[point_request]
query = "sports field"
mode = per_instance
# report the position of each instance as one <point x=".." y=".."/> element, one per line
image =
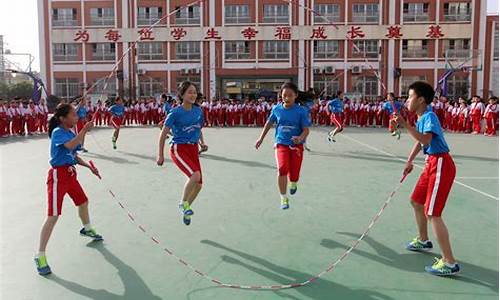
<point x="238" y="233"/>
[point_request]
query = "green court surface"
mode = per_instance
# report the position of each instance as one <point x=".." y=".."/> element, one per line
<point x="238" y="234"/>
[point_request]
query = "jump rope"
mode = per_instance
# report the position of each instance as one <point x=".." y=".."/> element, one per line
<point x="131" y="216"/>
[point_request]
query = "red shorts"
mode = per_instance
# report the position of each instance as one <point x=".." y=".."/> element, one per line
<point x="186" y="158"/>
<point x="434" y="185"/>
<point x="116" y="122"/>
<point x="289" y="160"/>
<point x="61" y="181"/>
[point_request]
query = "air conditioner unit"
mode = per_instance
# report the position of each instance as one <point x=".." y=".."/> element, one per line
<point x="141" y="71"/>
<point x="185" y="71"/>
<point x="356" y="69"/>
<point x="329" y="70"/>
<point x="317" y="70"/>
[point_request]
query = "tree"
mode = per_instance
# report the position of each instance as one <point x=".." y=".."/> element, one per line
<point x="21" y="89"/>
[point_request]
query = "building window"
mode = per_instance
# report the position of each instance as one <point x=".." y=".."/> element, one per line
<point x="276" y="13"/>
<point x="366" y="85"/>
<point x="187" y="50"/>
<point x="457" y="48"/>
<point x="326" y="84"/>
<point x="99" y="86"/>
<point x="67" y="87"/>
<point x="326" y="13"/>
<point x="103" y="51"/>
<point x="188" y="15"/>
<point x="236" y="14"/>
<point x="196" y="79"/>
<point x="150" y="51"/>
<point x="457" y="86"/>
<point x="276" y="49"/>
<point x="63" y="17"/>
<point x="326" y="49"/>
<point x="148" y="15"/>
<point x="102" y="16"/>
<point x="65" y="52"/>
<point x="415" y="12"/>
<point x="234" y="50"/>
<point x="150" y="87"/>
<point x="406" y="81"/>
<point x="365" y="13"/>
<point x="365" y="48"/>
<point x="457" y="11"/>
<point x="415" y="48"/>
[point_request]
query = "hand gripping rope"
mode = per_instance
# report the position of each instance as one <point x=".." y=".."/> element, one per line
<point x="220" y="283"/>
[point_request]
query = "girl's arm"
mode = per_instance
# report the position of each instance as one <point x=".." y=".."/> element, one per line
<point x="202" y="140"/>
<point x="161" y="145"/>
<point x="78" y="139"/>
<point x="263" y="134"/>
<point x="81" y="162"/>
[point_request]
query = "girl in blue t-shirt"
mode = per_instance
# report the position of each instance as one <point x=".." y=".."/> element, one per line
<point x="61" y="179"/>
<point x="184" y="123"/>
<point x="292" y="129"/>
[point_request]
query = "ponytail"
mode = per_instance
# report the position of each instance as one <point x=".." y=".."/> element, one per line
<point x="62" y="110"/>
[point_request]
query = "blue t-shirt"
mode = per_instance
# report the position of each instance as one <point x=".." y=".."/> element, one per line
<point x="289" y="122"/>
<point x="81" y="112"/>
<point x="429" y="122"/>
<point x="60" y="155"/>
<point x="185" y="124"/>
<point x="117" y="110"/>
<point x="166" y="108"/>
<point x="389" y="108"/>
<point x="336" y="106"/>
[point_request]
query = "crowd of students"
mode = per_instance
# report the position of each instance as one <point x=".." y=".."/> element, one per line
<point x="461" y="116"/>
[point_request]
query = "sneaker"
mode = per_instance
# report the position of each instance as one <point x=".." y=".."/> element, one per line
<point x="293" y="188"/>
<point x="284" y="203"/>
<point x="440" y="268"/>
<point x="186" y="209"/>
<point x="84" y="150"/>
<point x="186" y="219"/>
<point x="91" y="234"/>
<point x="41" y="265"/>
<point x="418" y="245"/>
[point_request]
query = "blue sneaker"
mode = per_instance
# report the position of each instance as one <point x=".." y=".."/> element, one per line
<point x="186" y="213"/>
<point x="284" y="203"/>
<point x="91" y="234"/>
<point x="293" y="188"/>
<point x="41" y="265"/>
<point x="440" y="268"/>
<point x="418" y="245"/>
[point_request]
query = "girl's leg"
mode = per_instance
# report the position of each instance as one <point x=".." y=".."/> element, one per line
<point x="421" y="220"/>
<point x="116" y="133"/>
<point x="46" y="231"/>
<point x="191" y="188"/>
<point x="443" y="238"/>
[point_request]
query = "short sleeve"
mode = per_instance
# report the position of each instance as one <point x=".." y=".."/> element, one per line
<point x="58" y="137"/>
<point x="170" y="119"/>
<point x="431" y="124"/>
<point x="202" y="119"/>
<point x="273" y="118"/>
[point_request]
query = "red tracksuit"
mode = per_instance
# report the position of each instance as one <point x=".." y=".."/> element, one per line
<point x="477" y="111"/>
<point x="491" y="116"/>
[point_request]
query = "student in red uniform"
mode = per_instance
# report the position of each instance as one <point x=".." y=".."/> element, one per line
<point x="491" y="116"/>
<point x="61" y="179"/>
<point x="43" y="114"/>
<point x="292" y="129"/>
<point x="30" y="116"/>
<point x="434" y="185"/>
<point x="463" y="116"/>
<point x="184" y="123"/>
<point x="4" y="119"/>
<point x="476" y="114"/>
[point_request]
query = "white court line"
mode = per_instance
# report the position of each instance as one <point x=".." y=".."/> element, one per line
<point x="419" y="166"/>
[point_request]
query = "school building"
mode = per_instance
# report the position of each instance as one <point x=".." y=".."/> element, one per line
<point x="239" y="48"/>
